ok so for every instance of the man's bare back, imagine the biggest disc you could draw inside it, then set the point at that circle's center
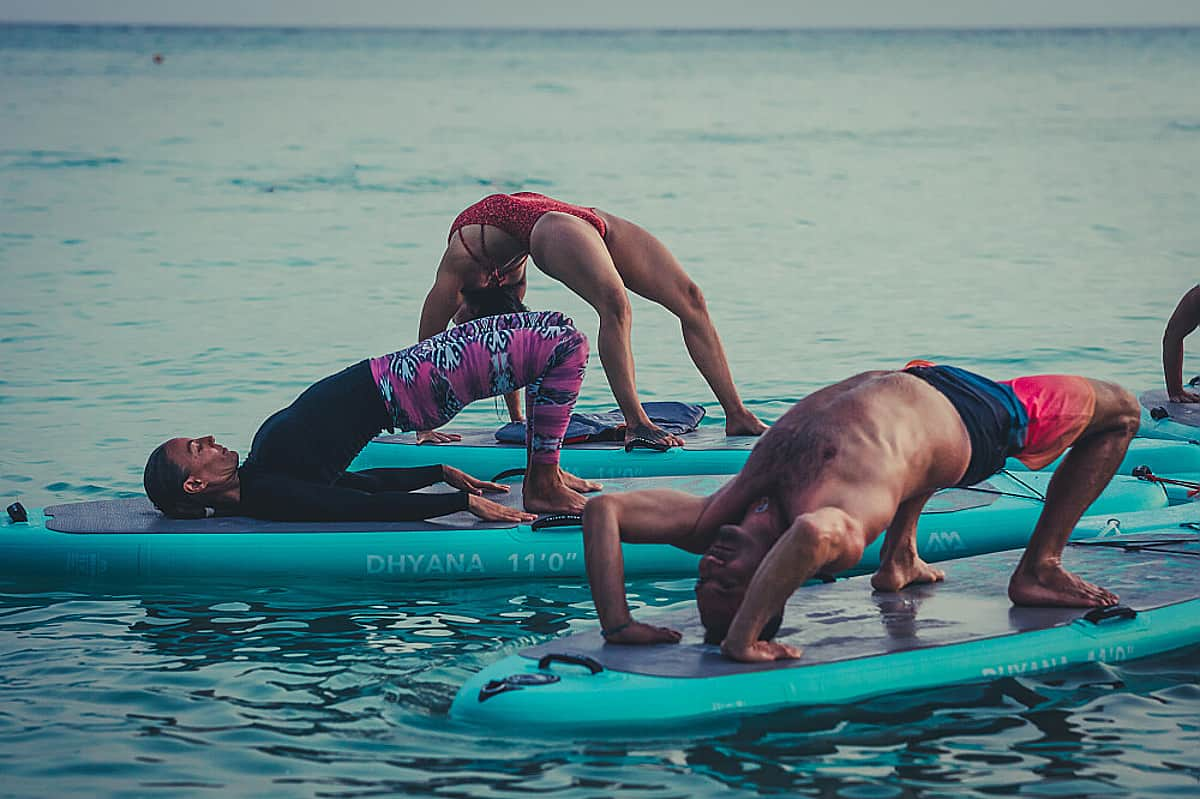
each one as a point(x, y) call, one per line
point(850, 461)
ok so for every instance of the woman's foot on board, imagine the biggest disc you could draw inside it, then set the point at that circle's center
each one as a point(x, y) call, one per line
point(546, 492)
point(1049, 584)
point(578, 483)
point(744, 423)
point(650, 436)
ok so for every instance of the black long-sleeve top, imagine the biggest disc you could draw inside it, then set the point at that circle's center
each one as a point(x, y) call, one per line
point(296, 469)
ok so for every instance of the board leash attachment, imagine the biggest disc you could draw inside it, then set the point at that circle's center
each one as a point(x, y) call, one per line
point(1144, 473)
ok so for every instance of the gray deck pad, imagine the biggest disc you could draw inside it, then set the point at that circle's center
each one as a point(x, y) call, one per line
point(138, 515)
point(707, 437)
point(846, 620)
point(1187, 413)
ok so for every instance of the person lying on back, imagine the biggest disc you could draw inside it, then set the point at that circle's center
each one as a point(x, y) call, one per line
point(848, 462)
point(297, 467)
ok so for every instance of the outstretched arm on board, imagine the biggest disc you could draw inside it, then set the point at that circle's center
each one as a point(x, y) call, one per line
point(636, 517)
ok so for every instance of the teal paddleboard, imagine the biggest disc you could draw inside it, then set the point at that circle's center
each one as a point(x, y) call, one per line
point(128, 541)
point(708, 451)
point(1162, 418)
point(857, 643)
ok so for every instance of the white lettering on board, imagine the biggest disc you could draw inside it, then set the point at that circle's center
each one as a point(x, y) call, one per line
point(944, 541)
point(431, 563)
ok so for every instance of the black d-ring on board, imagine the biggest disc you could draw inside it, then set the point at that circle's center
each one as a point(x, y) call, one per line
point(591, 664)
point(1099, 615)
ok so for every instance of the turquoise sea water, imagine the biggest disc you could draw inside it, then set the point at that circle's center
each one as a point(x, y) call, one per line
point(183, 247)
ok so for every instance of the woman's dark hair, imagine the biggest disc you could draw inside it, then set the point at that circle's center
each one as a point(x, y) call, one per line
point(493, 301)
point(163, 480)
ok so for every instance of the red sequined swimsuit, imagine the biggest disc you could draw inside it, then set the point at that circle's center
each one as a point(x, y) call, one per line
point(515, 214)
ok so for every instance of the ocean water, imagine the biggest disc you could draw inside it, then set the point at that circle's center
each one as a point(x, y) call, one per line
point(185, 246)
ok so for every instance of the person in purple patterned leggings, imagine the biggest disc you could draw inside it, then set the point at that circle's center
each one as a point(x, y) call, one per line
point(297, 467)
point(427, 385)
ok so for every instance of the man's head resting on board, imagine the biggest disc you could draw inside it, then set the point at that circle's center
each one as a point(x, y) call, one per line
point(728, 565)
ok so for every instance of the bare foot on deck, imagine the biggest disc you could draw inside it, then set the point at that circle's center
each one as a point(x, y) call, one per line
point(545, 492)
point(1052, 585)
point(900, 573)
point(650, 436)
point(578, 483)
point(744, 424)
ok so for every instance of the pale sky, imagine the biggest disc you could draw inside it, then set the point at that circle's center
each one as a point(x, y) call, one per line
point(614, 13)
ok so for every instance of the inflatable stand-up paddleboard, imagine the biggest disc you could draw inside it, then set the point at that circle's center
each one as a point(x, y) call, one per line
point(708, 451)
point(128, 540)
point(1162, 418)
point(857, 644)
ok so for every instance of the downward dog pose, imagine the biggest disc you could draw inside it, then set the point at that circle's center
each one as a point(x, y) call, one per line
point(296, 470)
point(1183, 321)
point(598, 256)
point(849, 461)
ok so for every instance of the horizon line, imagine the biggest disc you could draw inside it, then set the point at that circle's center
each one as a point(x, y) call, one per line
point(920, 28)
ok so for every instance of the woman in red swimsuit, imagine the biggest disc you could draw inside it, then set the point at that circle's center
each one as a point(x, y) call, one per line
point(598, 256)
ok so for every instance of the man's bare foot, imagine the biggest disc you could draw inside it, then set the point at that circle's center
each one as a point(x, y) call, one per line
point(899, 573)
point(578, 483)
point(1051, 585)
point(746, 424)
point(651, 436)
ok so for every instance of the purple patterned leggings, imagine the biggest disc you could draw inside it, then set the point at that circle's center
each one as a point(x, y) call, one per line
point(427, 384)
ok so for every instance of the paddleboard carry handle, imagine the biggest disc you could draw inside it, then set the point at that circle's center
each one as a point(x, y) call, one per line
point(1100, 615)
point(1158, 413)
point(575, 660)
point(516, 471)
point(556, 520)
point(1195, 381)
point(16, 512)
point(515, 682)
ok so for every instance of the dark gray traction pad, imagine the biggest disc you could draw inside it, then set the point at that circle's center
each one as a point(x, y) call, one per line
point(1186, 413)
point(846, 620)
point(138, 515)
point(708, 437)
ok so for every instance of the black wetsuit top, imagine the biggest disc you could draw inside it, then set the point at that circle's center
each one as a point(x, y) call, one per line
point(296, 469)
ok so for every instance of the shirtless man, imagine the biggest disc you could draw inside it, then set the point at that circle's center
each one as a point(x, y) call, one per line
point(1183, 321)
point(849, 461)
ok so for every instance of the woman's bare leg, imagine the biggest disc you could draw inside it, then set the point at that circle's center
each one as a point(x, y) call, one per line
point(571, 251)
point(648, 268)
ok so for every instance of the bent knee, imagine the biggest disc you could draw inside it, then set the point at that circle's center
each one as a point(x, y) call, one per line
point(691, 298)
point(572, 342)
point(1117, 409)
point(613, 306)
